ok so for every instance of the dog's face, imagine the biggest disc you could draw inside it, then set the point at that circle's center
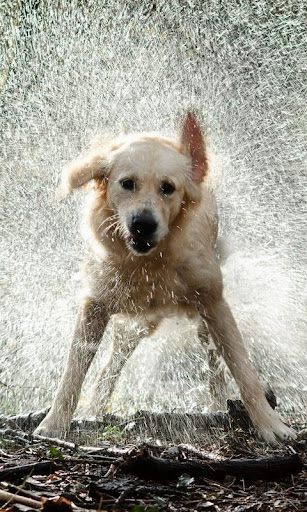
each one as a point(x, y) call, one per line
point(147, 179)
point(146, 187)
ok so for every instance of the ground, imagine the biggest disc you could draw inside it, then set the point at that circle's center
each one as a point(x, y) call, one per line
point(59, 476)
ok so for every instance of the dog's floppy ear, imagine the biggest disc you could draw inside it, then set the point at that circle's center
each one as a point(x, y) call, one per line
point(92, 165)
point(193, 144)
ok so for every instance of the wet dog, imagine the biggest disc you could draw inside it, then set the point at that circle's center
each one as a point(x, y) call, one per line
point(152, 225)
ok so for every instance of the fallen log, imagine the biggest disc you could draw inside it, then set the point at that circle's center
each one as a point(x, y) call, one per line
point(136, 424)
point(166, 425)
point(39, 468)
point(24, 421)
point(156, 468)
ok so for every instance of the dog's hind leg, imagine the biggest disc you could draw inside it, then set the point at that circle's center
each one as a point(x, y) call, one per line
point(91, 322)
point(124, 342)
point(217, 383)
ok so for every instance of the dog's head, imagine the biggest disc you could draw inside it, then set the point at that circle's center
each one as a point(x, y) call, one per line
point(144, 181)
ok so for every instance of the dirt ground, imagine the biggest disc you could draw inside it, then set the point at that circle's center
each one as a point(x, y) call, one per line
point(59, 476)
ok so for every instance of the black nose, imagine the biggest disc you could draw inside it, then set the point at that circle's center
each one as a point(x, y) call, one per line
point(143, 225)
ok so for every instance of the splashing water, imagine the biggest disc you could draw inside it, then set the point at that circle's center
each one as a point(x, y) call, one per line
point(72, 69)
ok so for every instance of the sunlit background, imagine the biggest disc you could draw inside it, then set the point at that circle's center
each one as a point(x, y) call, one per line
point(69, 70)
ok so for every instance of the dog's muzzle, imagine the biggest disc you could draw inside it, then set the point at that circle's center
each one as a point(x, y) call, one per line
point(142, 228)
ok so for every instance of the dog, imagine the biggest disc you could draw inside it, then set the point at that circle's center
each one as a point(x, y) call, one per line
point(152, 225)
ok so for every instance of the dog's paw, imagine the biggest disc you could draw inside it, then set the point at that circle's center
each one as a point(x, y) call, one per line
point(43, 431)
point(277, 434)
point(272, 429)
point(50, 428)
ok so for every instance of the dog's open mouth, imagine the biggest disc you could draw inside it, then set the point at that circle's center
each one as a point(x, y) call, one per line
point(140, 245)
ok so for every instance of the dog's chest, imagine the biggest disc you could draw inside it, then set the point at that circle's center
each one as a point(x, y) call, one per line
point(138, 290)
point(155, 290)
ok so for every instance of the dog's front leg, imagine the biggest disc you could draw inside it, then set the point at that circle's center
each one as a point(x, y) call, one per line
point(91, 322)
point(228, 341)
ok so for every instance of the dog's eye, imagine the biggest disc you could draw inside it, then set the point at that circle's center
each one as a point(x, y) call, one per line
point(167, 188)
point(128, 184)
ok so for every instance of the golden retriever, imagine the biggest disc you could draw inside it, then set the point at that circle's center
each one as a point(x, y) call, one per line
point(152, 225)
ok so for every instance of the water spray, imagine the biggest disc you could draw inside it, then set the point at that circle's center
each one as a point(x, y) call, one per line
point(72, 70)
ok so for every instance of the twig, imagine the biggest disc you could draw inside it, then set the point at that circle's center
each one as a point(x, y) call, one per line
point(55, 441)
point(200, 454)
point(9, 497)
point(20, 490)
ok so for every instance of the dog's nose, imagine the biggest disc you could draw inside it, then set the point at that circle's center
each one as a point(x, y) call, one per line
point(143, 225)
